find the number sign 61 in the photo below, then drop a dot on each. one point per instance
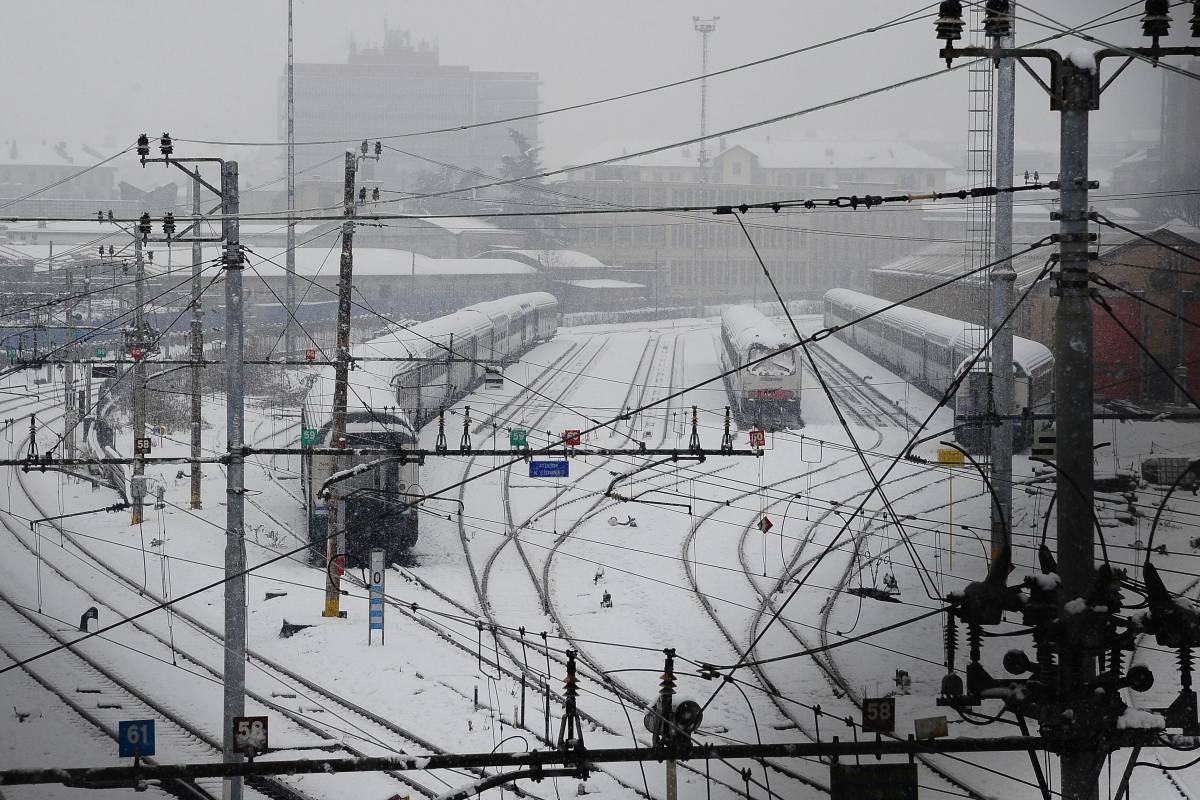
(879, 714)
(250, 735)
(135, 738)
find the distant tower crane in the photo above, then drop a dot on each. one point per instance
(704, 27)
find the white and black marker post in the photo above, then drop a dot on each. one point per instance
(375, 610)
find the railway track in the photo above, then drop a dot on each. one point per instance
(354, 722)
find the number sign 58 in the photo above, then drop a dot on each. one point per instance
(250, 735)
(879, 714)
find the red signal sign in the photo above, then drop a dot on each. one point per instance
(571, 437)
(310, 355)
(136, 354)
(758, 438)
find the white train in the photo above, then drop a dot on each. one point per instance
(766, 393)
(930, 351)
(389, 401)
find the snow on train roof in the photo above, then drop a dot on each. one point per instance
(425, 337)
(367, 392)
(747, 326)
(1028, 354)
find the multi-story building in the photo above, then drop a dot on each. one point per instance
(707, 259)
(400, 87)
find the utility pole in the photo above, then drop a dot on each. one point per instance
(235, 532)
(289, 340)
(1003, 280)
(1074, 87)
(335, 539)
(137, 486)
(197, 347)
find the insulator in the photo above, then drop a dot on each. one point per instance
(165, 145)
(169, 224)
(363, 147)
(378, 149)
(362, 194)
(1156, 22)
(375, 193)
(99, 216)
(998, 21)
(143, 146)
(144, 225)
(949, 25)
(975, 640)
(1195, 20)
(1185, 666)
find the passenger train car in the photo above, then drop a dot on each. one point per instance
(766, 393)
(930, 351)
(389, 400)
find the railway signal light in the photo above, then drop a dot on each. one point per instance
(143, 147)
(165, 145)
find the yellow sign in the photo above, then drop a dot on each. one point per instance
(950, 458)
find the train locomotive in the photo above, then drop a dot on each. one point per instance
(931, 351)
(389, 400)
(767, 392)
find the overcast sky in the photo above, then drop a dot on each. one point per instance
(102, 71)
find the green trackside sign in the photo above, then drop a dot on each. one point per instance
(308, 437)
(518, 437)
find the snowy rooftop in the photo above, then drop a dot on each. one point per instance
(269, 262)
(605, 283)
(549, 259)
(792, 153)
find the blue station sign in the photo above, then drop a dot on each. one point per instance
(549, 469)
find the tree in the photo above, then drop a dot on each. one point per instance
(543, 233)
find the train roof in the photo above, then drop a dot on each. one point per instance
(746, 326)
(425, 338)
(369, 395)
(1028, 355)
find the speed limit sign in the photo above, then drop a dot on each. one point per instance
(879, 714)
(250, 735)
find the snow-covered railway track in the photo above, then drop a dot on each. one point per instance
(377, 736)
(93, 690)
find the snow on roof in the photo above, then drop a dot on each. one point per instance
(549, 259)
(839, 154)
(379, 261)
(604, 283)
(457, 225)
(675, 157)
(794, 153)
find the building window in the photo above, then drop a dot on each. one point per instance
(737, 168)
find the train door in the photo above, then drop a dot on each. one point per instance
(1116, 355)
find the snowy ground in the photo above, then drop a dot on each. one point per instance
(528, 562)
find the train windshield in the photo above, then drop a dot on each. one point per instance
(778, 364)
